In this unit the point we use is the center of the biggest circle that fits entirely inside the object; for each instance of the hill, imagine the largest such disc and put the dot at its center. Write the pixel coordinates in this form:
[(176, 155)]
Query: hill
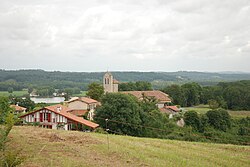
[(19, 79), (44, 147)]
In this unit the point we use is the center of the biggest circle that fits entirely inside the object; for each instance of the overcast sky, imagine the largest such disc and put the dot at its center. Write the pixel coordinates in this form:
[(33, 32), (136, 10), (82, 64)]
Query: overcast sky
[(125, 35)]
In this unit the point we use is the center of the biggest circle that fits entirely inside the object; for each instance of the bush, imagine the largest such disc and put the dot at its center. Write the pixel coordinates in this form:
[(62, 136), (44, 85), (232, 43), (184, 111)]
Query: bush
[(219, 119), (100, 130), (192, 119)]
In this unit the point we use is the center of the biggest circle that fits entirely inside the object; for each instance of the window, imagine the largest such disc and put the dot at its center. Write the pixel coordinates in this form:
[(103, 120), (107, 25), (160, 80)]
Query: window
[(46, 116)]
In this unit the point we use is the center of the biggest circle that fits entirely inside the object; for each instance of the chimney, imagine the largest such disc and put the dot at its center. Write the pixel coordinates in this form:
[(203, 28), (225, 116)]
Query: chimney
[(58, 109)]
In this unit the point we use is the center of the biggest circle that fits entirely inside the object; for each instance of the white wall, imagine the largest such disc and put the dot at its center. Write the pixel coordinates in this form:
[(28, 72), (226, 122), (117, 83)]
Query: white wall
[(78, 105)]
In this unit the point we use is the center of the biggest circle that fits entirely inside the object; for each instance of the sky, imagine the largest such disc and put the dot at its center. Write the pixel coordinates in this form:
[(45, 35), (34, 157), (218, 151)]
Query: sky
[(125, 35)]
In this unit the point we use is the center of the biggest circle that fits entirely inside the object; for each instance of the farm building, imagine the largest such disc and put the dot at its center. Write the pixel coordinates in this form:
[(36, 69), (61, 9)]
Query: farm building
[(162, 98), (58, 117), (80, 106)]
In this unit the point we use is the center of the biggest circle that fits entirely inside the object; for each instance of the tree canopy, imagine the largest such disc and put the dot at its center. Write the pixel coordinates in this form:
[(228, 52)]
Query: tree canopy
[(95, 91)]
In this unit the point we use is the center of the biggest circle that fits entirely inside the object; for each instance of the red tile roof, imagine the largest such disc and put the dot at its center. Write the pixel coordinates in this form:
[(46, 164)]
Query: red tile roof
[(169, 109), (83, 99), (18, 108), (115, 81), (63, 110), (78, 112), (174, 108), (159, 95)]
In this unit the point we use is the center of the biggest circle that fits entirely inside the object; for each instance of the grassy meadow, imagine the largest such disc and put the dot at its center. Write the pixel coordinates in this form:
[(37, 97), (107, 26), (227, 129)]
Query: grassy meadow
[(15, 93), (202, 109), (45, 147)]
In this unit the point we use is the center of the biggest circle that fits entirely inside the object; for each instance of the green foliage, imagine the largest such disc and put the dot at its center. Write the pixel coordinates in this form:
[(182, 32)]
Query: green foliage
[(95, 91), (159, 126), (176, 93), (132, 86), (10, 90), (100, 130), (213, 104), (119, 108), (71, 91), (4, 109), (24, 102), (148, 104), (192, 119), (192, 93), (219, 119), (45, 91), (244, 127)]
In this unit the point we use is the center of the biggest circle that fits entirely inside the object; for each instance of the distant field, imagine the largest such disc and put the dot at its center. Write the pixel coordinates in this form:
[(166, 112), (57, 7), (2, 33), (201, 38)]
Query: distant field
[(44, 147), (16, 93), (202, 109), (83, 93)]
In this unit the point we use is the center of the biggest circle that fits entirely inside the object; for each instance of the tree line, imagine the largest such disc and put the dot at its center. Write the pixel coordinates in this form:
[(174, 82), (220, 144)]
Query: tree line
[(230, 95), (20, 79)]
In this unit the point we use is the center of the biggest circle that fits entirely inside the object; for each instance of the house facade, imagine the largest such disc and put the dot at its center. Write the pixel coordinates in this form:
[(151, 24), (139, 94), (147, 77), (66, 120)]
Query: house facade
[(82, 105), (57, 117)]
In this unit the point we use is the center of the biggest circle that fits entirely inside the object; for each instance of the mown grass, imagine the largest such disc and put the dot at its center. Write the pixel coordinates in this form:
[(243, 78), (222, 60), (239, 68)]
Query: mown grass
[(15, 93), (44, 147), (202, 109)]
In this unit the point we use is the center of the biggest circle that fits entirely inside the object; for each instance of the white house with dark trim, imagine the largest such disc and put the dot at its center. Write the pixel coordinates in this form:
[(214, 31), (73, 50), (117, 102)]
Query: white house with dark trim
[(57, 117)]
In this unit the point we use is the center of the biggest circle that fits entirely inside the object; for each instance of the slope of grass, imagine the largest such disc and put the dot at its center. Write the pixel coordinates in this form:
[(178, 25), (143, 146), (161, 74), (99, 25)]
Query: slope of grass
[(15, 93), (44, 147)]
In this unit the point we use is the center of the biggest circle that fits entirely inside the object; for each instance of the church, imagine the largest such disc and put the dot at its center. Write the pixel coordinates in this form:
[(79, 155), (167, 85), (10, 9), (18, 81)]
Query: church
[(111, 85)]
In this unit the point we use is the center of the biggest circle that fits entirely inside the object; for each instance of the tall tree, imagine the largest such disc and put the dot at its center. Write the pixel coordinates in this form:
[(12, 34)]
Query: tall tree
[(122, 111), (192, 93), (95, 91), (176, 93)]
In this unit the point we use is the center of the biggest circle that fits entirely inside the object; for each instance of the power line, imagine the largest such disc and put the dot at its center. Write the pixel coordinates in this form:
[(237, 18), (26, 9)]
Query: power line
[(158, 129)]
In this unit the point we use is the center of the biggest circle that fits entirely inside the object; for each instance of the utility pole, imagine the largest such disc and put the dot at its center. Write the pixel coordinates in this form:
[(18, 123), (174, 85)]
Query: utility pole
[(107, 131)]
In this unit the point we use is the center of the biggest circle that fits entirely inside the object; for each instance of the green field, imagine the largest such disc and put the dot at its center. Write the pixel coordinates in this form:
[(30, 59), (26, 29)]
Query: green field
[(202, 109), (44, 147), (15, 93), (83, 93)]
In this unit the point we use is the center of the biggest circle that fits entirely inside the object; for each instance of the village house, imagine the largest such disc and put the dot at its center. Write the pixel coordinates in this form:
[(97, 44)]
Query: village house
[(159, 96), (81, 106), (18, 109), (58, 117)]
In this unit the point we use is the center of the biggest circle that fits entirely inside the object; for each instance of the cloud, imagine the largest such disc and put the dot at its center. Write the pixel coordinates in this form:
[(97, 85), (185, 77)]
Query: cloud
[(125, 35)]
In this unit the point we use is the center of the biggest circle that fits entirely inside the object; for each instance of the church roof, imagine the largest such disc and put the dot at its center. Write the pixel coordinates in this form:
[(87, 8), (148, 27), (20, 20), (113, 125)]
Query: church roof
[(158, 95), (115, 81)]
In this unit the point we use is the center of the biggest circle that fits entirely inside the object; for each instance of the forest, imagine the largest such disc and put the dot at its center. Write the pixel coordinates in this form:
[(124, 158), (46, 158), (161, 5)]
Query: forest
[(19, 79)]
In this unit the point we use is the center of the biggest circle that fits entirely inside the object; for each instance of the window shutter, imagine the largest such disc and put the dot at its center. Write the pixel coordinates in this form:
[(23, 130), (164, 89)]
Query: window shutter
[(41, 117), (49, 117)]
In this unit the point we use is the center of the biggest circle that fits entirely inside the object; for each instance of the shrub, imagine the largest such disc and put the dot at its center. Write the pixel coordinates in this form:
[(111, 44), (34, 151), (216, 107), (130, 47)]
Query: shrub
[(192, 119), (219, 119)]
